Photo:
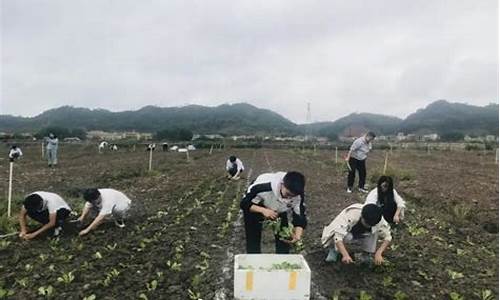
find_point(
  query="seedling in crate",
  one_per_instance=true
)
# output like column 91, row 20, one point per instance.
column 284, row 233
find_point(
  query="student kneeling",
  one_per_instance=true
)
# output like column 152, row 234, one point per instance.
column 357, row 224
column 105, row 203
column 46, row 208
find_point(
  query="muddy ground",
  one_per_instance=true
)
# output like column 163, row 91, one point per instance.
column 185, row 226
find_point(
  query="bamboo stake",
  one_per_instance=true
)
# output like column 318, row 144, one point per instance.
column 10, row 188
column 150, row 158
column 385, row 163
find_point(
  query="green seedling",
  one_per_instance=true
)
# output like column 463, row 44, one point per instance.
column 174, row 266
column 46, row 291
column 416, row 231
column 43, row 257
column 111, row 247
column 485, row 295
column 455, row 275
column 387, row 281
column 364, row 296
column 5, row 293
column 23, row 282
column 151, row 286
column 143, row 296
column 400, row 296
column 4, row 244
column 28, row 268
column 456, row 296
column 91, row 297
column 98, row 255
column 52, row 268
column 194, row 295
column 66, row 278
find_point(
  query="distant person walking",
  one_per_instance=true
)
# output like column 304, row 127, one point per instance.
column 52, row 146
column 356, row 159
column 15, row 153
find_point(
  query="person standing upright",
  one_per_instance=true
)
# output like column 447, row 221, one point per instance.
column 356, row 159
column 52, row 146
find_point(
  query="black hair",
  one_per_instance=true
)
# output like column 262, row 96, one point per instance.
column 232, row 158
column 372, row 214
column 33, row 202
column 371, row 133
column 90, row 195
column 388, row 196
column 13, row 147
column 295, row 182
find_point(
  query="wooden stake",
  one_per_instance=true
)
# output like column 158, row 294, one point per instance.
column 187, row 155
column 336, row 155
column 385, row 163
column 10, row 188
column 150, row 158
column 211, row 149
column 428, row 149
column 314, row 148
column 390, row 145
column 133, row 148
column 496, row 156
column 43, row 150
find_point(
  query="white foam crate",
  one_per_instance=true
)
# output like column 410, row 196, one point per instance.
column 259, row 284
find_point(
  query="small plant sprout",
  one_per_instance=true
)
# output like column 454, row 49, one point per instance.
column 143, row 296
column 66, row 278
column 28, row 268
column 5, row 293
column 111, row 247
column 400, row 296
column 456, row 296
column 194, row 295
column 22, row 282
column 364, row 296
column 91, row 297
column 414, row 230
column 174, row 266
column 455, row 275
column 43, row 257
column 151, row 286
column 98, row 255
column 4, row 245
column 387, row 281
column 485, row 295
column 52, row 268
column 46, row 291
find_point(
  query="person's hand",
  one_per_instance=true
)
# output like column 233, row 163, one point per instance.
column 346, row 158
column 396, row 219
column 28, row 236
column 347, row 259
column 295, row 239
column 83, row 232
column 269, row 214
column 378, row 259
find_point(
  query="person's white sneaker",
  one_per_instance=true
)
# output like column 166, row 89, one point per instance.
column 120, row 223
column 57, row 231
column 349, row 190
column 363, row 190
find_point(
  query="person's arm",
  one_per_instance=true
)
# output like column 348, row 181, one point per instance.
column 85, row 212
column 379, row 259
column 346, row 258
column 400, row 206
column 355, row 145
column 266, row 212
column 52, row 223
column 397, row 215
column 97, row 221
column 22, row 222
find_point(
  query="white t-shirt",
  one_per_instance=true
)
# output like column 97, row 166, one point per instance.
column 52, row 202
column 238, row 163
column 13, row 152
column 111, row 200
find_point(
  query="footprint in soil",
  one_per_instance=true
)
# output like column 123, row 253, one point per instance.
column 491, row 227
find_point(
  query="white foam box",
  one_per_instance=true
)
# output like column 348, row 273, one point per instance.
column 253, row 279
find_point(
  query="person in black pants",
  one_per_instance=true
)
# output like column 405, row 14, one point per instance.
column 46, row 208
column 272, row 196
column 356, row 159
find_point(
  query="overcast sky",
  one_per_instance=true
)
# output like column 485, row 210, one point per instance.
column 390, row 57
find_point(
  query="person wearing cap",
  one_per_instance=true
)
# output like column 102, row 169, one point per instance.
column 388, row 199
column 272, row 196
column 234, row 167
column 52, row 146
column 49, row 209
column 15, row 153
column 356, row 158
column 104, row 204
column 361, row 224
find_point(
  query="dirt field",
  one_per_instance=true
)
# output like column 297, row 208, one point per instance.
column 186, row 226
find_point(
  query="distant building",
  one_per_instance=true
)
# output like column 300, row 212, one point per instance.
column 72, row 140
column 103, row 135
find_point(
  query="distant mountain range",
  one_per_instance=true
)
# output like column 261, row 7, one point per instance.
column 244, row 119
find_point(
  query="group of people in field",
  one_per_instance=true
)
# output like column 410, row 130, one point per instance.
column 275, row 197
column 280, row 197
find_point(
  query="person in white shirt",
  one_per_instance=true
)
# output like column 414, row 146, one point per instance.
column 272, row 196
column 234, row 167
column 47, row 208
column 361, row 224
column 386, row 197
column 105, row 203
column 15, row 153
column 356, row 159
column 52, row 146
